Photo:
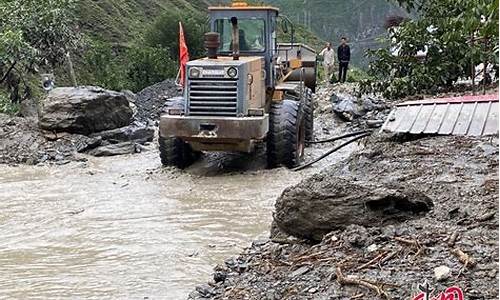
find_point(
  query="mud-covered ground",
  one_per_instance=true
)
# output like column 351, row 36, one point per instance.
column 455, row 244
column 459, row 174
column 22, row 142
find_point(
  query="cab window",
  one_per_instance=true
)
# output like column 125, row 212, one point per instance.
column 252, row 33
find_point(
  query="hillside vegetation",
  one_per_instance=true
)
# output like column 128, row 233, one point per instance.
column 132, row 44
column 116, row 44
column 121, row 21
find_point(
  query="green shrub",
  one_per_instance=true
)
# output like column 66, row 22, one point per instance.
column 133, row 69
column 357, row 75
column 149, row 59
column 148, row 65
column 103, row 66
column 34, row 36
column 7, row 106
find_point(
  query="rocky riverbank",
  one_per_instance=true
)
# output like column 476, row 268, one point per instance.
column 87, row 120
column 423, row 210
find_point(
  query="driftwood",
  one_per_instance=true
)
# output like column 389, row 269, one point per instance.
column 389, row 257
column 342, row 280
column 453, row 238
column 464, row 258
column 377, row 259
column 419, row 248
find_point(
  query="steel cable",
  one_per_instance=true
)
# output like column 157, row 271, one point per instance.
column 332, row 151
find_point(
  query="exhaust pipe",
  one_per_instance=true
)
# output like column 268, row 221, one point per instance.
column 236, row 39
column 212, row 43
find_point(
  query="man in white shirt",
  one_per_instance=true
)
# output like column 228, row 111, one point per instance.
column 328, row 55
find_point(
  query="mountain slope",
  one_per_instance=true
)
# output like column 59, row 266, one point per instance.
column 362, row 21
column 119, row 21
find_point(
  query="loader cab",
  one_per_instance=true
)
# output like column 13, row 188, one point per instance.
column 256, row 31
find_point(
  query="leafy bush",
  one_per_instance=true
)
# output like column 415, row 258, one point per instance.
column 456, row 34
column 151, row 58
column 134, row 68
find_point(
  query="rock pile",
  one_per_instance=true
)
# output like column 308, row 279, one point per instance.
column 150, row 101
column 21, row 142
column 343, row 102
column 75, row 120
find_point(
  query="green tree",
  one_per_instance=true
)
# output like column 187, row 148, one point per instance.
column 148, row 65
column 457, row 34
column 165, row 32
column 34, row 34
column 103, row 66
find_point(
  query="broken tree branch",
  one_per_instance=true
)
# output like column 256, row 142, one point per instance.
column 413, row 243
column 453, row 238
column 389, row 257
column 373, row 261
column 464, row 258
column 342, row 280
column 8, row 72
column 307, row 257
column 486, row 216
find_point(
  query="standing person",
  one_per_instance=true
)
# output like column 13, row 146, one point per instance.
column 328, row 61
column 344, row 56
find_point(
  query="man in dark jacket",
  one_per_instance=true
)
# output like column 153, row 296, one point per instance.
column 344, row 56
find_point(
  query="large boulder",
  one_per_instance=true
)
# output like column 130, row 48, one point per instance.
column 136, row 132
column 84, row 110
column 323, row 203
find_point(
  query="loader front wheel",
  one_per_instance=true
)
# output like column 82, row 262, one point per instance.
column 309, row 115
column 177, row 153
column 286, row 137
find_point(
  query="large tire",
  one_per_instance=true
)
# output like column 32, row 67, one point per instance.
column 309, row 114
column 286, row 137
column 177, row 153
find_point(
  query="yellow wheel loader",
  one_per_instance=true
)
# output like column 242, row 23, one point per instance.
column 249, row 89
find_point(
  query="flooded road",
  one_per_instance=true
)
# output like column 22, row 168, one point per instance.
column 125, row 228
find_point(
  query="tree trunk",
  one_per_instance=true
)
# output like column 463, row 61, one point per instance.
column 8, row 72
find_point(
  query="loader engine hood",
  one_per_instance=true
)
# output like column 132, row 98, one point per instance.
column 224, row 87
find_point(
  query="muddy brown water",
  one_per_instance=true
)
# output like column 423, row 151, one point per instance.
column 125, row 228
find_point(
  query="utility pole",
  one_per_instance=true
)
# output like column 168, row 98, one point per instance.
column 472, row 67
column 485, row 65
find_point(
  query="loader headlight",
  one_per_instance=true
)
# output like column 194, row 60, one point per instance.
column 232, row 72
column 194, row 72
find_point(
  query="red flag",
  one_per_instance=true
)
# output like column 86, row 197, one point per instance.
column 183, row 55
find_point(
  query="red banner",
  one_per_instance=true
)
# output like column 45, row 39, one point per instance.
column 183, row 55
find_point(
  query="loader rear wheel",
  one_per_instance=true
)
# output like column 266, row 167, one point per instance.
column 309, row 115
column 286, row 137
column 177, row 153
